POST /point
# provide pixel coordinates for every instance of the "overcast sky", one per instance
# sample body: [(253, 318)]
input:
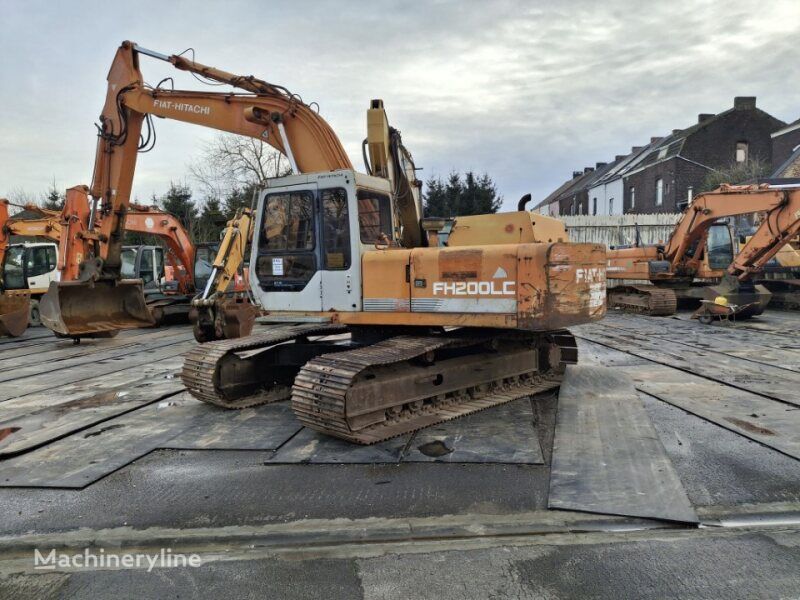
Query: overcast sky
[(527, 92)]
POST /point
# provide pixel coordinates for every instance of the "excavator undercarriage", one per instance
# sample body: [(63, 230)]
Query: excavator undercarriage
[(365, 391)]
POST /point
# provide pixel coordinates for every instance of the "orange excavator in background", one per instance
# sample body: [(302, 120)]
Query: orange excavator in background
[(72, 219), (16, 297), (701, 247), (432, 333)]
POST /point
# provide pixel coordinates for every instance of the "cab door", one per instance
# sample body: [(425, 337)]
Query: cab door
[(286, 251), (339, 256), (40, 267)]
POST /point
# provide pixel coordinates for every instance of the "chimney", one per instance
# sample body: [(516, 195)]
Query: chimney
[(704, 117), (600, 165), (588, 169), (744, 102), (635, 149), (576, 174), (619, 157), (653, 140)]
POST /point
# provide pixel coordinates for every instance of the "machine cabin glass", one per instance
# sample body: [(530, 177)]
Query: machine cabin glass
[(14, 269), (719, 246), (287, 241), (374, 217)]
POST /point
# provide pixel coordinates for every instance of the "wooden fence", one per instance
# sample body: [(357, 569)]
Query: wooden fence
[(616, 230)]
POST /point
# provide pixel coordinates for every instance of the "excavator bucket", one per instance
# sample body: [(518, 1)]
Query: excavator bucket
[(14, 311), (95, 308), (745, 299)]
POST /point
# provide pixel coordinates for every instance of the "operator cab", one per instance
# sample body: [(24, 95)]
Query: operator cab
[(30, 266), (145, 263), (310, 233)]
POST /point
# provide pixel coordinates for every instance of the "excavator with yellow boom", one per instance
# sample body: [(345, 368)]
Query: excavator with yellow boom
[(701, 247), (374, 333)]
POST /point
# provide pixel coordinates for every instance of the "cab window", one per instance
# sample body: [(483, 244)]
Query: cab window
[(374, 217), (289, 222), (719, 247), (13, 269), (128, 267), (41, 260), (335, 229), (286, 258)]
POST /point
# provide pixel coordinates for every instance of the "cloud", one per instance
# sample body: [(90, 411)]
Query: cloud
[(524, 92)]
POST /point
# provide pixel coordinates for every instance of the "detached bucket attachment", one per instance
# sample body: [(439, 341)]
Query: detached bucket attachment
[(14, 313), (94, 309)]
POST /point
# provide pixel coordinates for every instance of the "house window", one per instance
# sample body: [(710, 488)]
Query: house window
[(611, 206), (690, 194), (574, 209), (741, 152), (659, 191), (633, 197), (594, 206)]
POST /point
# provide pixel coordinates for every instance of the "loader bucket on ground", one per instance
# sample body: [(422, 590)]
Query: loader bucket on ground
[(14, 312), (83, 309)]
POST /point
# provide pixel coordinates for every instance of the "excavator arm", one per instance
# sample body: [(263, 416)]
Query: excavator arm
[(780, 224), (100, 301), (215, 314), (167, 227)]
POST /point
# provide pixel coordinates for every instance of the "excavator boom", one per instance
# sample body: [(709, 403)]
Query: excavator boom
[(97, 299)]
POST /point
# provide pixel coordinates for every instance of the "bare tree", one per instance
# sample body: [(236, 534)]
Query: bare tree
[(233, 162)]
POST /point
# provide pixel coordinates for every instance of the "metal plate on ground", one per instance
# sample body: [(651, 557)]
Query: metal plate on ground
[(312, 447), (262, 428), (607, 457), (503, 434), (86, 456), (766, 421)]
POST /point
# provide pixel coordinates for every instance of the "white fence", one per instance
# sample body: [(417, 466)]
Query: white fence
[(616, 230)]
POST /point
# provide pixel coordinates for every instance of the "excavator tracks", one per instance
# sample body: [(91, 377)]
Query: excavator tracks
[(406, 383), (215, 374), (643, 299)]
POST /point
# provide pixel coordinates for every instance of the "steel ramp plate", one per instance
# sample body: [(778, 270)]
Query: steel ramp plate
[(607, 457), (497, 435)]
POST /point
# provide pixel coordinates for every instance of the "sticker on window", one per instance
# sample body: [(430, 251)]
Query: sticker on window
[(277, 266)]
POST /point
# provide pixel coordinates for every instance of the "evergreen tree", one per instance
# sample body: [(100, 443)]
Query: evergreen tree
[(54, 200), (211, 222), (178, 202), (239, 197), (470, 195)]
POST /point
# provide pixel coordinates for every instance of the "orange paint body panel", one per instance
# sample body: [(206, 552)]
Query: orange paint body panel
[(535, 287)]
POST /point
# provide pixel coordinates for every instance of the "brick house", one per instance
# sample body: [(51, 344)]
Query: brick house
[(664, 175), (672, 172)]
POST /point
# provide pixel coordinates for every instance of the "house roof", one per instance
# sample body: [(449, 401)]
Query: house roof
[(790, 127), (790, 167)]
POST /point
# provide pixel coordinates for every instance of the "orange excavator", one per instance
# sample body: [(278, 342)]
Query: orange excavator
[(374, 332), (73, 218), (701, 247)]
